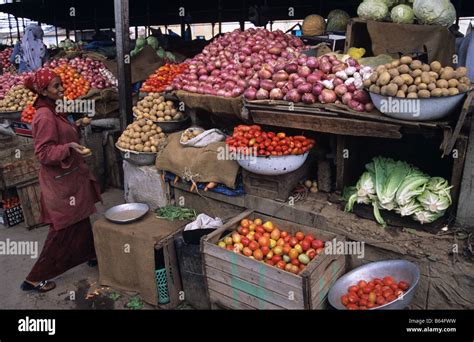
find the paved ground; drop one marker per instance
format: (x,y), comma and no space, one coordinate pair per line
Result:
(80,281)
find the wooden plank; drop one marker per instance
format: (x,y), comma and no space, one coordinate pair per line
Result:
(325,274)
(465,214)
(462,117)
(240,296)
(458,168)
(321,289)
(258,290)
(252,265)
(332,125)
(172,274)
(271,284)
(225,302)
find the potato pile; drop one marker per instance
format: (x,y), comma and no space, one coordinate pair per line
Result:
(412,79)
(155,108)
(191,133)
(142,136)
(17,99)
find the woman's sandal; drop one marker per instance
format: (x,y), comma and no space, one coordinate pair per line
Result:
(43,286)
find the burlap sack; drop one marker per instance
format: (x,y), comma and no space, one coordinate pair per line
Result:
(202,163)
(126,253)
(213,104)
(389,38)
(106,100)
(143,64)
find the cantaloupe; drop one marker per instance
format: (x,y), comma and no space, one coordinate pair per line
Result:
(313,25)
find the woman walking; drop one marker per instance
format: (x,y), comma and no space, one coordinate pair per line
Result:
(69,191)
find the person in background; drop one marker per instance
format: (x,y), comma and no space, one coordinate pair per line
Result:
(30,53)
(69,191)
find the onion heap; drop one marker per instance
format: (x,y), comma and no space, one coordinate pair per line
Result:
(9,80)
(88,68)
(309,80)
(225,66)
(5,58)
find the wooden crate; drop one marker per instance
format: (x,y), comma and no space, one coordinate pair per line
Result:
(29,195)
(172,271)
(357,35)
(238,282)
(275,187)
(21,171)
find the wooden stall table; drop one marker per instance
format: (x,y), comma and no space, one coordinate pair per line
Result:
(126,256)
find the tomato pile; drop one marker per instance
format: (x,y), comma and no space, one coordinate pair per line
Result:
(247,138)
(377,292)
(5,58)
(265,242)
(28,114)
(74,84)
(162,78)
(11,202)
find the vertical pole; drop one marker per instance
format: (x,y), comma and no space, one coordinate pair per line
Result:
(17,28)
(122,41)
(148,33)
(136,32)
(219,14)
(10,29)
(242,20)
(56,33)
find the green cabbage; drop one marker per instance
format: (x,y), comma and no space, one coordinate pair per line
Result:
(373,10)
(402,14)
(427,216)
(409,209)
(140,43)
(433,202)
(153,42)
(412,186)
(435,12)
(337,20)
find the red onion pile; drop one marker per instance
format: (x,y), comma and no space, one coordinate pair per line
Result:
(225,66)
(5,58)
(89,68)
(310,80)
(9,80)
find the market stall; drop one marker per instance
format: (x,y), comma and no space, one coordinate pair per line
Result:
(294,151)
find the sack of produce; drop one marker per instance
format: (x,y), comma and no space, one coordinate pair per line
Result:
(197,137)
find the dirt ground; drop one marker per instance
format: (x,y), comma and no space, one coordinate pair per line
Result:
(78,288)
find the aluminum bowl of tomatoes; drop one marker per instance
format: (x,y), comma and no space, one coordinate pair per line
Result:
(382,285)
(268,153)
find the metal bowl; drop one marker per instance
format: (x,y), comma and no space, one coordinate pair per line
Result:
(398,269)
(273,165)
(126,213)
(173,126)
(138,158)
(433,108)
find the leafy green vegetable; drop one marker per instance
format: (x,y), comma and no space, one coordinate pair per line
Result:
(402,14)
(172,213)
(115,296)
(373,10)
(434,12)
(135,303)
(396,185)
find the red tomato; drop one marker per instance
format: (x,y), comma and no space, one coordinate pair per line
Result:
(381,300)
(353,288)
(403,285)
(344,300)
(362,284)
(299,236)
(353,298)
(351,306)
(388,280)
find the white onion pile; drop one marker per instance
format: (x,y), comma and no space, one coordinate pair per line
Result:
(224,67)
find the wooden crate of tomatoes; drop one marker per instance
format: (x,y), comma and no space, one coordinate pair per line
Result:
(260,262)
(245,138)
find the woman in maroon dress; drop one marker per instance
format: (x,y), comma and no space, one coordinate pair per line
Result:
(68,189)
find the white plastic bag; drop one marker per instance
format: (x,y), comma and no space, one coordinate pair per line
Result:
(205,138)
(204,221)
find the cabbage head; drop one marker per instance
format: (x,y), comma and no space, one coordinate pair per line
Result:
(141,42)
(434,12)
(403,14)
(373,10)
(153,42)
